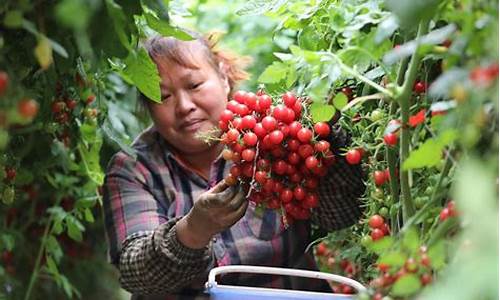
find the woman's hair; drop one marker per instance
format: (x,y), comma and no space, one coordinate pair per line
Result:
(177,51)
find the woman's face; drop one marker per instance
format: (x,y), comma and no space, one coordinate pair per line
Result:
(192,101)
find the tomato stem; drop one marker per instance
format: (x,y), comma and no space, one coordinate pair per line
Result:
(404,101)
(36,269)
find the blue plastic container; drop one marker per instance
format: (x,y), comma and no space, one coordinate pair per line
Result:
(230,292)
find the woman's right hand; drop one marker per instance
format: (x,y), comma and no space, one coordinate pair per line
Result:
(214,211)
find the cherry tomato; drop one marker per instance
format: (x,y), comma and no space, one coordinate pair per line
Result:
(376,234)
(226,115)
(250,139)
(248,154)
(376,221)
(391,139)
(322,129)
(304,135)
(240,96)
(27,108)
(264,103)
(276,137)
(269,123)
(419,87)
(379,177)
(289,99)
(4,82)
(322,146)
(353,157)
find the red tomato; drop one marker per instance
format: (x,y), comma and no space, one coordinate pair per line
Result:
(71,104)
(90,99)
(27,108)
(391,139)
(226,115)
(294,158)
(322,249)
(289,99)
(276,137)
(279,167)
(250,139)
(377,234)
(322,129)
(311,183)
(322,146)
(379,177)
(240,96)
(248,122)
(419,87)
(299,193)
(347,91)
(293,145)
(311,162)
(4,82)
(286,195)
(248,154)
(304,135)
(264,103)
(353,157)
(269,123)
(311,200)
(305,150)
(263,164)
(280,113)
(376,221)
(261,177)
(251,100)
(259,130)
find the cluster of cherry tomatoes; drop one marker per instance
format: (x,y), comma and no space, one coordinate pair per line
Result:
(419,264)
(379,227)
(278,153)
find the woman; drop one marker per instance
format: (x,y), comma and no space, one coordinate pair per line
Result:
(170,217)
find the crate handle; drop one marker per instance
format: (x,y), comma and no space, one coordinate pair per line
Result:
(281,271)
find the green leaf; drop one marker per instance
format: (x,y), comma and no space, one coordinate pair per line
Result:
(340,101)
(274,73)
(75,228)
(430,152)
(411,240)
(142,71)
(73,13)
(322,112)
(381,245)
(406,285)
(116,13)
(437,255)
(291,76)
(259,7)
(163,27)
(53,247)
(7,241)
(13,19)
(393,259)
(89,217)
(410,13)
(51,265)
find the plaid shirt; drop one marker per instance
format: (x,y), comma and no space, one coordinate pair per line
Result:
(148,191)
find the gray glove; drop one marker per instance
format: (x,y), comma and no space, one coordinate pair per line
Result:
(214,211)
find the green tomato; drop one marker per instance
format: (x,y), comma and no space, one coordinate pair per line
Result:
(377,194)
(420,202)
(376,115)
(366,240)
(8,195)
(383,211)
